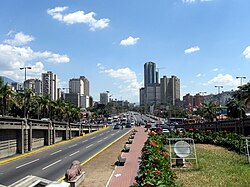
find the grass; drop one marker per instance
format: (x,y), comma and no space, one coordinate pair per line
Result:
(218,167)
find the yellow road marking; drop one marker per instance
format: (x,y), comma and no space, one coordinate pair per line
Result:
(48,147)
(62,178)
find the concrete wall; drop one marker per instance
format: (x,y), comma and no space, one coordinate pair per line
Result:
(8,143)
(38,138)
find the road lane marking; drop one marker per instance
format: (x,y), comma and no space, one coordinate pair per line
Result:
(72,145)
(99,141)
(74,153)
(89,146)
(112,134)
(63,177)
(27,163)
(56,152)
(105,138)
(84,141)
(51,164)
(101,134)
(93,137)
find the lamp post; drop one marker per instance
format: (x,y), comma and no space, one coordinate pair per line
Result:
(27,67)
(218,92)
(241,79)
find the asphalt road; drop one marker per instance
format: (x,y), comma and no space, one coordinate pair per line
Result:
(52,163)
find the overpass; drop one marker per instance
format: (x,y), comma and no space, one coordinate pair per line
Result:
(21,135)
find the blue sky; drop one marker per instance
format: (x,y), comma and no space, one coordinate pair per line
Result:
(203,42)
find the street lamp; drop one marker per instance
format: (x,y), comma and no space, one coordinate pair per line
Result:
(241,79)
(218,92)
(25,71)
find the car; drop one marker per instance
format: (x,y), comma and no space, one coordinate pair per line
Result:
(128,125)
(165,131)
(117,126)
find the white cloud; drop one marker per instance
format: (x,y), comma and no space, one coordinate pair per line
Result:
(13,57)
(215,69)
(224,80)
(78,17)
(246,52)
(129,41)
(191,50)
(129,84)
(19,39)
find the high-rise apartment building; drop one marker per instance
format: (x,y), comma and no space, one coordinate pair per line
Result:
(173,91)
(35,85)
(49,85)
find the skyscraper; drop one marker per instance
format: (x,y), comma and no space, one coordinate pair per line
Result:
(150,74)
(49,85)
(86,85)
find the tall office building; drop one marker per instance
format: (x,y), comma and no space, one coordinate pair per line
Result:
(104,98)
(164,88)
(76,86)
(150,74)
(49,85)
(86,85)
(173,91)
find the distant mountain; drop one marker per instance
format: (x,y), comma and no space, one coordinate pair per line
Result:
(7,80)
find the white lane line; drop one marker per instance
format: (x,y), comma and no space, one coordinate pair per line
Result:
(51,164)
(89,146)
(72,145)
(84,141)
(74,153)
(93,137)
(27,163)
(99,141)
(112,134)
(105,138)
(101,134)
(56,152)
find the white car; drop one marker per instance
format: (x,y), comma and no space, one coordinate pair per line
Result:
(165,131)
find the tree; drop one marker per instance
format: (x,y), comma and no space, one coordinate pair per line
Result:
(6,96)
(243,94)
(210,110)
(235,109)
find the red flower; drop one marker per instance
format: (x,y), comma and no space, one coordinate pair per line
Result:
(153,144)
(153,132)
(191,129)
(158,172)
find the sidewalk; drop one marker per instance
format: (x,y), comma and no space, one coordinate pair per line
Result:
(124,176)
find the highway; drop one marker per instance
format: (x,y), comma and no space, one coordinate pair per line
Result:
(53,162)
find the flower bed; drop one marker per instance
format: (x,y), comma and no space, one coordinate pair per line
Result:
(222,138)
(155,167)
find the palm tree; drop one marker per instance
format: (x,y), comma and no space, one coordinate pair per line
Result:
(243,94)
(6,96)
(44,104)
(235,109)
(210,110)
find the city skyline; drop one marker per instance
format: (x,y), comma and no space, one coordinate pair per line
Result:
(205,43)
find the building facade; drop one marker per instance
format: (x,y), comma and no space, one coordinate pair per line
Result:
(104,98)
(49,85)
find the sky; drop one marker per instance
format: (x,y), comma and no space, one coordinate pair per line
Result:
(205,43)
